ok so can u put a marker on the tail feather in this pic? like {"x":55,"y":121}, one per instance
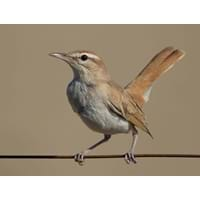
{"x":140,"y":87}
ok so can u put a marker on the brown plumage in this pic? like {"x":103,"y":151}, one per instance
{"x":159,"y":64}
{"x":106,"y":107}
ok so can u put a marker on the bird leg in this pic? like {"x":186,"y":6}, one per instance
{"x":129,"y":156}
{"x":79,"y":157}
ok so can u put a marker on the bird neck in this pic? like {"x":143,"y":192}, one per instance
{"x":89,"y":77}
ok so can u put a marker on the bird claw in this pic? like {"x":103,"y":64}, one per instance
{"x":79,"y":158}
{"x":129,"y":157}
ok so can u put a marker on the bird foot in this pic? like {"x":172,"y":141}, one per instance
{"x":79,"y":158}
{"x":129,"y":157}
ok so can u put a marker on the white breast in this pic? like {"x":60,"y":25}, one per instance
{"x":92,"y":110}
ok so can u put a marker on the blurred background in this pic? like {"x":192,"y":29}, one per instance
{"x":36,"y":117}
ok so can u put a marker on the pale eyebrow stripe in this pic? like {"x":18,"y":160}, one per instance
{"x":92,"y":56}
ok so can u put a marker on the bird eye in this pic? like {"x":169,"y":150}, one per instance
{"x":84,"y":57}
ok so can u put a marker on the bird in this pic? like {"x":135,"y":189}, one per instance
{"x":105,"y":106}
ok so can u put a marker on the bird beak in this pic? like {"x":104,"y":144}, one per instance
{"x":62,"y":56}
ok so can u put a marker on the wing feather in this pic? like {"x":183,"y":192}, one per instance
{"x":121,"y":103}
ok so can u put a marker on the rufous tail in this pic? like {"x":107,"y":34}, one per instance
{"x":140,"y":88}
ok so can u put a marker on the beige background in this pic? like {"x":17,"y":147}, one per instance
{"x":36,"y":117}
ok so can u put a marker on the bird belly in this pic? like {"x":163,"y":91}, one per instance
{"x":100,"y":119}
{"x":93,"y":112}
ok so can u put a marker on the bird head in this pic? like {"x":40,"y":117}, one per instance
{"x":85,"y":65}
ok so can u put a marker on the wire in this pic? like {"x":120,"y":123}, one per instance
{"x":99,"y":156}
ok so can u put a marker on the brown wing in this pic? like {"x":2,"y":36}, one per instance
{"x":124,"y":105}
{"x":161,"y":63}
{"x":134,"y":113}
